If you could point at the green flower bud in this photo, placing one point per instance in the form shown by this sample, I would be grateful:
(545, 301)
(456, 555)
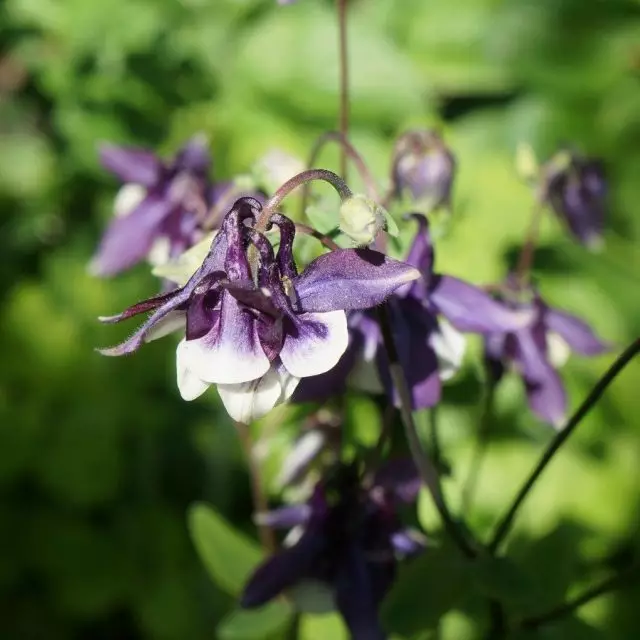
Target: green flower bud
(361, 219)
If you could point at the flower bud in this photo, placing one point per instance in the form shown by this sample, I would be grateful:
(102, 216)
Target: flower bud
(574, 186)
(423, 167)
(361, 219)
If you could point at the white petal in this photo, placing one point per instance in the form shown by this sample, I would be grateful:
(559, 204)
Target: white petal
(128, 198)
(251, 400)
(288, 383)
(449, 345)
(160, 252)
(189, 385)
(320, 343)
(232, 354)
(558, 351)
(173, 321)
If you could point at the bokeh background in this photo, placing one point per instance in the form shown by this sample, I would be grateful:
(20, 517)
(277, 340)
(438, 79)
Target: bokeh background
(100, 459)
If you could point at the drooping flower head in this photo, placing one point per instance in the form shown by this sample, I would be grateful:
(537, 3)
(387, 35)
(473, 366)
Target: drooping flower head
(426, 318)
(161, 207)
(252, 324)
(575, 188)
(424, 167)
(536, 350)
(348, 540)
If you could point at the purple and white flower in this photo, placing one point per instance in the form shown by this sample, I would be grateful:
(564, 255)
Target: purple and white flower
(426, 316)
(530, 350)
(253, 325)
(347, 541)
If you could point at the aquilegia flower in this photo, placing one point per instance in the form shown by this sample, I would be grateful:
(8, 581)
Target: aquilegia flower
(349, 539)
(424, 167)
(530, 350)
(575, 188)
(253, 325)
(429, 349)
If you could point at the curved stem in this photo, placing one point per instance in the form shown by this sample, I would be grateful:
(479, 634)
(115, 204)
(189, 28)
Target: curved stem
(260, 504)
(525, 261)
(305, 176)
(310, 231)
(341, 6)
(622, 361)
(423, 463)
(610, 584)
(351, 152)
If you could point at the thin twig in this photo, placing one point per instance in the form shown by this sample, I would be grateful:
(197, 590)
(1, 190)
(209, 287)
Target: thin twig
(310, 231)
(525, 260)
(341, 6)
(621, 362)
(260, 503)
(423, 463)
(606, 586)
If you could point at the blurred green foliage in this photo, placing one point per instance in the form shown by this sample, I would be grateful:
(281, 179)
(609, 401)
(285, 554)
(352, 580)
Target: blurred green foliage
(100, 459)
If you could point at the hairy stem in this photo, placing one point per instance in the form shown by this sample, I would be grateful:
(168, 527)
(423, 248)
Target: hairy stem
(621, 362)
(425, 466)
(612, 583)
(341, 6)
(260, 504)
(305, 176)
(350, 152)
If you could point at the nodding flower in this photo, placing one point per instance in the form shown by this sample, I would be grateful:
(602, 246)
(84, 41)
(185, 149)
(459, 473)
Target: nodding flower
(253, 325)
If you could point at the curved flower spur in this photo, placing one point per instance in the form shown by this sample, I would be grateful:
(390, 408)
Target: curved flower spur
(253, 325)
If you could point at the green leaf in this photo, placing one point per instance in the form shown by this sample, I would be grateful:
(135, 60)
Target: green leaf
(502, 579)
(227, 554)
(425, 590)
(321, 627)
(256, 623)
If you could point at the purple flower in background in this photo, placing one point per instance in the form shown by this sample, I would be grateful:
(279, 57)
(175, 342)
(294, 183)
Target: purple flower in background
(348, 539)
(575, 188)
(532, 350)
(424, 167)
(255, 327)
(429, 348)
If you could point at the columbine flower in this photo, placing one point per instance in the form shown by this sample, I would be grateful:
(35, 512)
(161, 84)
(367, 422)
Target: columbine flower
(429, 348)
(423, 166)
(348, 542)
(254, 326)
(575, 188)
(530, 351)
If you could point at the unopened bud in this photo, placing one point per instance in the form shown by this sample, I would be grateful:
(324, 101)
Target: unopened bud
(361, 219)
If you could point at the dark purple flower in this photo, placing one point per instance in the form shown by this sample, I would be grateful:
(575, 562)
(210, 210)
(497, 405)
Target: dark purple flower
(530, 351)
(424, 167)
(348, 542)
(575, 188)
(429, 348)
(253, 325)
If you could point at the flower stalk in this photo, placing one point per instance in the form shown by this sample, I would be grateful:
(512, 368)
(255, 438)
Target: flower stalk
(343, 53)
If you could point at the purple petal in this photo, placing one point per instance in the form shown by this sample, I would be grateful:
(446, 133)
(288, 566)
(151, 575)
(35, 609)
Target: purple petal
(546, 393)
(285, 517)
(314, 342)
(131, 164)
(469, 308)
(141, 307)
(129, 238)
(230, 353)
(400, 478)
(408, 542)
(194, 156)
(350, 279)
(283, 570)
(575, 332)
(421, 252)
(354, 597)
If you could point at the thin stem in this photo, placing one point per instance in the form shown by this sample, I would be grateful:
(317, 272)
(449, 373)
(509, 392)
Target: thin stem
(606, 586)
(350, 152)
(621, 362)
(341, 6)
(260, 503)
(375, 455)
(525, 261)
(434, 437)
(424, 465)
(310, 231)
(480, 449)
(305, 176)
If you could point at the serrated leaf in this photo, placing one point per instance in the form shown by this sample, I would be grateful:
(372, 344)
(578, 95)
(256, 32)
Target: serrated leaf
(228, 555)
(255, 624)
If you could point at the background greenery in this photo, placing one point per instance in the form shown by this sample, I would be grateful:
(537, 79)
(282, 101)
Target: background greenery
(100, 459)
